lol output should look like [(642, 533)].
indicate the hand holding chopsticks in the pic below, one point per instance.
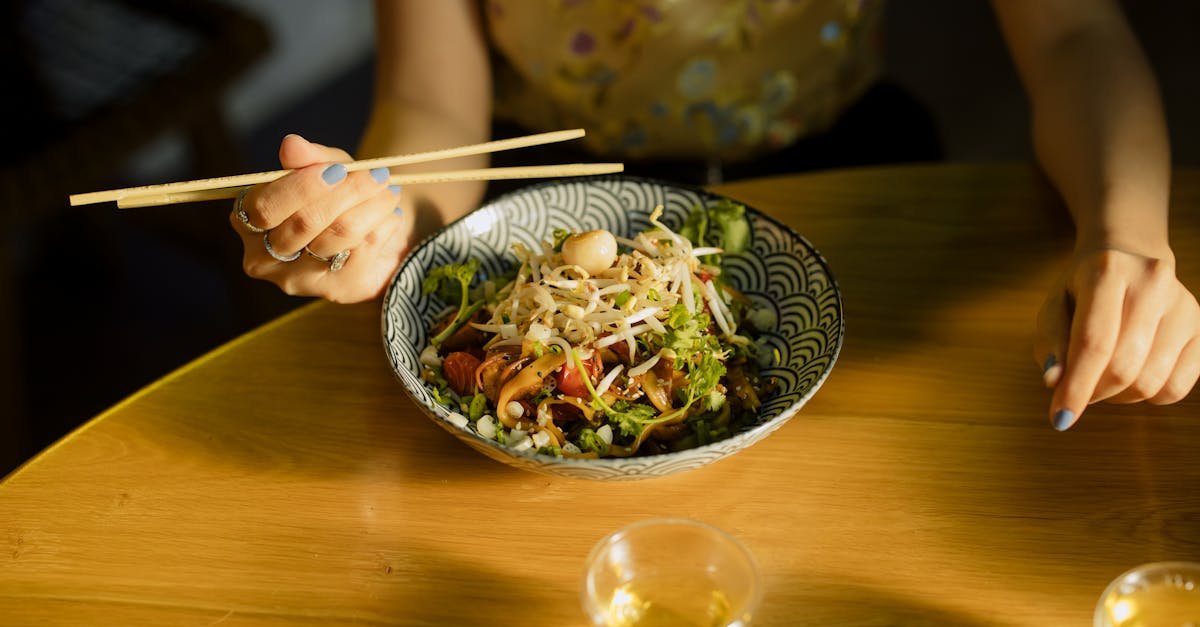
[(230, 186), (336, 230)]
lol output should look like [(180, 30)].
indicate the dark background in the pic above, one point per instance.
[(96, 303)]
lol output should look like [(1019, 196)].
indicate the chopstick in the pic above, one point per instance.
[(482, 174), (242, 180)]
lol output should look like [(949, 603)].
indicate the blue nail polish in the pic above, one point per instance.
[(380, 175), (1064, 419), (398, 210), (394, 189), (333, 174), (1050, 362)]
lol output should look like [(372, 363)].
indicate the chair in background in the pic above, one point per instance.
[(90, 83)]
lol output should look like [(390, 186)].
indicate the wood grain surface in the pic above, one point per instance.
[(287, 478)]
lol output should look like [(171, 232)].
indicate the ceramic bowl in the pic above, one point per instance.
[(781, 271)]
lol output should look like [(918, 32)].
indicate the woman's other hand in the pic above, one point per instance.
[(1119, 327), (317, 212)]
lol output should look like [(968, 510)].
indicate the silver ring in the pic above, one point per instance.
[(275, 255), (241, 214), (335, 262)]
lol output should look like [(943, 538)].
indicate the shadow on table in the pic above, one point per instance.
[(832, 602), (428, 587), (906, 244)]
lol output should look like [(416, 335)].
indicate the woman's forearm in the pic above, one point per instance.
[(401, 128), (1098, 125), (431, 92)]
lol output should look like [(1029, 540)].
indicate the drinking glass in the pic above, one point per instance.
[(1162, 594), (670, 571)]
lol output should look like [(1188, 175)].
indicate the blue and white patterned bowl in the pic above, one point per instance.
[(781, 271)]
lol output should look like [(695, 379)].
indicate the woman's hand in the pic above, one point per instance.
[(1119, 327), (319, 211)]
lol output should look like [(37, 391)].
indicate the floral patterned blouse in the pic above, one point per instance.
[(692, 79)]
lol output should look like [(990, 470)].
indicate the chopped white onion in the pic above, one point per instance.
[(430, 357), (523, 444), (605, 433), (570, 447), (541, 438), (515, 409), (486, 427), (457, 419), (706, 250)]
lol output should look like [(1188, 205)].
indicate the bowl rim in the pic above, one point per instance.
[(615, 463)]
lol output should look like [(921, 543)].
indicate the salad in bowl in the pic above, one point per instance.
[(603, 346), (612, 327)]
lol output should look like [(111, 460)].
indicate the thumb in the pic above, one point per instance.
[(1053, 334), (296, 152)]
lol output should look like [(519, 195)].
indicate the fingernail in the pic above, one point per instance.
[(394, 189), (333, 174), (1064, 419), (1050, 361), (398, 210), (380, 175)]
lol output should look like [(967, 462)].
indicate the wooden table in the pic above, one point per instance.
[(285, 477)]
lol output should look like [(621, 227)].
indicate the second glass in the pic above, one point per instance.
[(670, 571)]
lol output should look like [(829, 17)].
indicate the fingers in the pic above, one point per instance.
[(1167, 368), (363, 276), (1183, 376), (1053, 329), (351, 227), (1145, 305), (1173, 336), (316, 201), (296, 152), (1094, 329)]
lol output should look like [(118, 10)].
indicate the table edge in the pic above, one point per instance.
[(161, 381)]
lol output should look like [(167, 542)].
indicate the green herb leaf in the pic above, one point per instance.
[(588, 441), (630, 418), (452, 281)]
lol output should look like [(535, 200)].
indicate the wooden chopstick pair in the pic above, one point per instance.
[(225, 187)]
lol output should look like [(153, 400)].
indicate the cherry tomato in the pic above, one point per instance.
[(459, 370), (571, 383)]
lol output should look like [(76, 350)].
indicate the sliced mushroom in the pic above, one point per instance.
[(526, 383), (488, 375), (655, 391)]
